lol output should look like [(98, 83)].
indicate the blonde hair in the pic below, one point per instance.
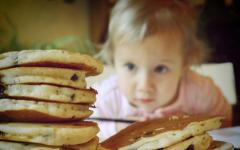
[(134, 20)]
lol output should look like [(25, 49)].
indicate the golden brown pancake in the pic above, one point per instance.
[(220, 145), (43, 92), (153, 133), (47, 75), (8, 145), (49, 134), (37, 111), (51, 58), (199, 142)]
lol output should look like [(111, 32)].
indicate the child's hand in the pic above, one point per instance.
[(163, 112), (142, 115), (172, 109), (148, 116)]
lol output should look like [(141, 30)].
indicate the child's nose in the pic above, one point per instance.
[(146, 83)]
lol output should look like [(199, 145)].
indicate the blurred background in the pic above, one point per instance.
[(81, 25), (46, 24)]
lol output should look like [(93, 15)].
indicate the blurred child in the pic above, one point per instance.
[(152, 44)]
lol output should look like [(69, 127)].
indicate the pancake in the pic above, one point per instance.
[(36, 111), (161, 133), (220, 145), (7, 145), (49, 134), (51, 58), (17, 75), (101, 148), (200, 142), (42, 80), (48, 93)]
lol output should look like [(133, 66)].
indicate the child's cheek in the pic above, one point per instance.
[(126, 87), (167, 92)]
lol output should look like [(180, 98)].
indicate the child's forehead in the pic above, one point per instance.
[(165, 39), (152, 47)]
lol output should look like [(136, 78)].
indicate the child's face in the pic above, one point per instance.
[(149, 71)]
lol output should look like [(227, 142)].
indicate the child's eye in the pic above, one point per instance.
[(161, 69), (130, 66)]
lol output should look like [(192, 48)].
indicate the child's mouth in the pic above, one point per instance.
[(146, 101)]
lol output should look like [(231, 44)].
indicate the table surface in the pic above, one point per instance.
[(231, 135)]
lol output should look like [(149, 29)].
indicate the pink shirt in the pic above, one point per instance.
[(197, 95)]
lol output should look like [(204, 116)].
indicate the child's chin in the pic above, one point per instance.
[(148, 109)]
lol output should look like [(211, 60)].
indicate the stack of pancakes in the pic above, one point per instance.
[(174, 133), (44, 100)]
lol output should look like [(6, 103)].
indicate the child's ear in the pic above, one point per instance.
[(185, 65), (185, 69)]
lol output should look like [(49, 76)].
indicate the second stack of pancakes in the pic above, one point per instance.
[(44, 99)]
